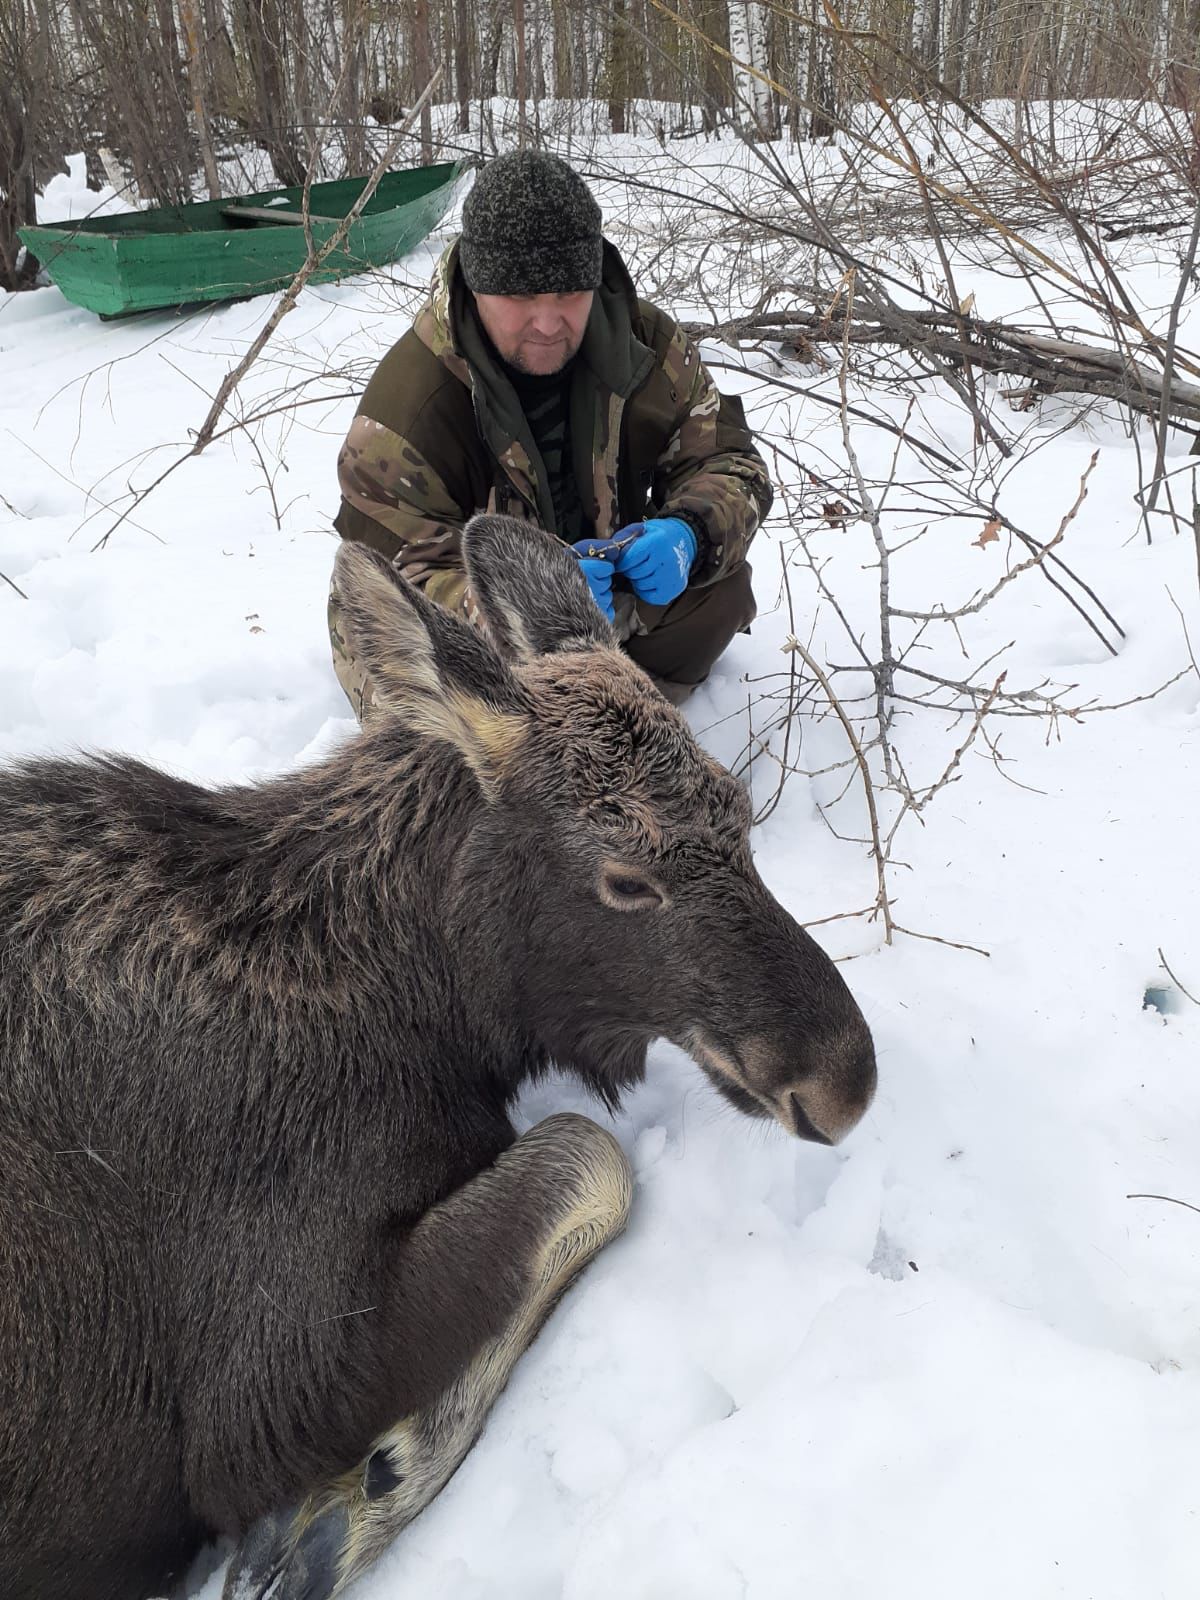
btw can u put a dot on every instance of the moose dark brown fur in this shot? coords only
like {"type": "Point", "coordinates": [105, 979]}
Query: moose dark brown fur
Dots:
{"type": "Point", "coordinates": [268, 1243]}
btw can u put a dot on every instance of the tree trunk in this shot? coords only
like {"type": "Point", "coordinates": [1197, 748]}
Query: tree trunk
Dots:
{"type": "Point", "coordinates": [717, 80]}
{"type": "Point", "coordinates": [462, 64]}
{"type": "Point", "coordinates": [748, 46]}
{"type": "Point", "coordinates": [17, 196]}
{"type": "Point", "coordinates": [220, 60]}
{"type": "Point", "coordinates": [489, 87]}
{"type": "Point", "coordinates": [265, 47]}
{"type": "Point", "coordinates": [560, 29]}
{"type": "Point", "coordinates": [822, 78]}
{"type": "Point", "coordinates": [927, 34]}
{"type": "Point", "coordinates": [191, 32]}
{"type": "Point", "coordinates": [423, 70]}
{"type": "Point", "coordinates": [619, 67]}
{"type": "Point", "coordinates": [522, 87]}
{"type": "Point", "coordinates": [1183, 82]}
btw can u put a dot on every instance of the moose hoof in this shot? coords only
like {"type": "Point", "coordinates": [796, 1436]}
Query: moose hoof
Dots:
{"type": "Point", "coordinates": [316, 1550]}
{"type": "Point", "coordinates": [291, 1555]}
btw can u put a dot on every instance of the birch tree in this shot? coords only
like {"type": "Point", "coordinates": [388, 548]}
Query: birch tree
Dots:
{"type": "Point", "coordinates": [749, 47]}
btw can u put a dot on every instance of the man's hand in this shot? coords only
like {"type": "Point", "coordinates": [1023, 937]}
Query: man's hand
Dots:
{"type": "Point", "coordinates": [659, 562]}
{"type": "Point", "coordinates": [597, 558]}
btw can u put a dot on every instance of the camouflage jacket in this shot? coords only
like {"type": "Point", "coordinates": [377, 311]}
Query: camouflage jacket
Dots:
{"type": "Point", "coordinates": [439, 435]}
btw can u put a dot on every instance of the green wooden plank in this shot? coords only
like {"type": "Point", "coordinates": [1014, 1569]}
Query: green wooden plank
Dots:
{"type": "Point", "coordinates": [271, 214]}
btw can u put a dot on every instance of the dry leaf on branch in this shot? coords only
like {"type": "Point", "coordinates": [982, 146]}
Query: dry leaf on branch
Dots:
{"type": "Point", "coordinates": [990, 534]}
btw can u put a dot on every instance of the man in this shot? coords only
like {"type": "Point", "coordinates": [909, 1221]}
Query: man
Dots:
{"type": "Point", "coordinates": [534, 382]}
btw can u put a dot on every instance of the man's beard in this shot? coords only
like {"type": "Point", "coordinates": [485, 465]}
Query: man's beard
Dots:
{"type": "Point", "coordinates": [570, 350]}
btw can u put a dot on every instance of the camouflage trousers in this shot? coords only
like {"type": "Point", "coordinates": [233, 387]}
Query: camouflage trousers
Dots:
{"type": "Point", "coordinates": [676, 644]}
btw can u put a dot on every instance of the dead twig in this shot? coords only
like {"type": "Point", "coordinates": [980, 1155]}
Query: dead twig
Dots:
{"type": "Point", "coordinates": [208, 430]}
{"type": "Point", "coordinates": [815, 395]}
{"type": "Point", "coordinates": [1168, 375]}
{"type": "Point", "coordinates": [882, 901]}
{"type": "Point", "coordinates": [955, 760]}
{"type": "Point", "coordinates": [1168, 1198]}
{"type": "Point", "coordinates": [1175, 980]}
{"type": "Point", "coordinates": [936, 938]}
{"type": "Point", "coordinates": [315, 259]}
{"type": "Point", "coordinates": [789, 715]}
{"type": "Point", "coordinates": [1034, 560]}
{"type": "Point", "coordinates": [1187, 638]}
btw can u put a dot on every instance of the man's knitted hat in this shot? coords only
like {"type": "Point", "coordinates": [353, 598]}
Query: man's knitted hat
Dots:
{"type": "Point", "coordinates": [530, 226]}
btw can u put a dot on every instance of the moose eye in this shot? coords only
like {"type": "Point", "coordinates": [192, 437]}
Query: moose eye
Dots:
{"type": "Point", "coordinates": [625, 891]}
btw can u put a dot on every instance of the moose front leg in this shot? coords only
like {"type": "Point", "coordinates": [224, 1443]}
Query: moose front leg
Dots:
{"type": "Point", "coordinates": [474, 1282]}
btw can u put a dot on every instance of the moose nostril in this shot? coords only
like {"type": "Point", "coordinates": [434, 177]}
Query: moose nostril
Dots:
{"type": "Point", "coordinates": [804, 1128]}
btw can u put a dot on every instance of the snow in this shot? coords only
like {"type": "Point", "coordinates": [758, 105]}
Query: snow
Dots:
{"type": "Point", "coordinates": [952, 1356]}
{"type": "Point", "coordinates": [67, 197]}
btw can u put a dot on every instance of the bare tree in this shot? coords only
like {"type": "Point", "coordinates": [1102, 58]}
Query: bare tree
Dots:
{"type": "Point", "coordinates": [263, 30]}
{"type": "Point", "coordinates": [191, 32]}
{"type": "Point", "coordinates": [22, 81]}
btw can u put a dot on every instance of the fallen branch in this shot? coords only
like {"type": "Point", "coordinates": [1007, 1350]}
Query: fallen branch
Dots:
{"type": "Point", "coordinates": [1134, 229]}
{"type": "Point", "coordinates": [1052, 366]}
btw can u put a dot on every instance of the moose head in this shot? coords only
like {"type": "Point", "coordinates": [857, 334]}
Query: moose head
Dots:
{"type": "Point", "coordinates": [604, 893]}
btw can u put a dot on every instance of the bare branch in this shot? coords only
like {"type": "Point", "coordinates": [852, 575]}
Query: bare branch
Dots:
{"type": "Point", "coordinates": [882, 902]}
{"type": "Point", "coordinates": [1014, 572]}
{"type": "Point", "coordinates": [1175, 980]}
{"type": "Point", "coordinates": [1167, 1198]}
{"type": "Point", "coordinates": [314, 260]}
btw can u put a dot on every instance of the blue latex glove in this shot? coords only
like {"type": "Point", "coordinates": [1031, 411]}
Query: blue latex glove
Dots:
{"type": "Point", "coordinates": [659, 563]}
{"type": "Point", "coordinates": [598, 570]}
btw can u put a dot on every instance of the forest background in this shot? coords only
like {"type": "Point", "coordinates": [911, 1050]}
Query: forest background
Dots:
{"type": "Point", "coordinates": [163, 83]}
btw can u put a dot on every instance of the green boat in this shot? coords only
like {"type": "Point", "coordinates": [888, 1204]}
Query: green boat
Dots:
{"type": "Point", "coordinates": [229, 249]}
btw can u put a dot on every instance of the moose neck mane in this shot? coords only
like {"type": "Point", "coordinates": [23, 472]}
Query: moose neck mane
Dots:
{"type": "Point", "coordinates": [386, 825]}
{"type": "Point", "coordinates": [291, 931]}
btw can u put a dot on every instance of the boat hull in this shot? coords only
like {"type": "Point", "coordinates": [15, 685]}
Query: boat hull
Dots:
{"type": "Point", "coordinates": [179, 255]}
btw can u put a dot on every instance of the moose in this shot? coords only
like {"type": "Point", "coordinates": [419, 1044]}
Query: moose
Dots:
{"type": "Point", "coordinates": [269, 1243]}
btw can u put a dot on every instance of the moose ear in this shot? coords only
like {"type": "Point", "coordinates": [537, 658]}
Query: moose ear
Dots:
{"type": "Point", "coordinates": [528, 586]}
{"type": "Point", "coordinates": [433, 671]}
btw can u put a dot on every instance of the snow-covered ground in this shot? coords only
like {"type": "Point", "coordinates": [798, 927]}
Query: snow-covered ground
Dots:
{"type": "Point", "coordinates": [951, 1358]}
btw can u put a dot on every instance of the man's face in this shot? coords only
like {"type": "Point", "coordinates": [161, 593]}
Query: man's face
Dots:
{"type": "Point", "coordinates": [536, 333]}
